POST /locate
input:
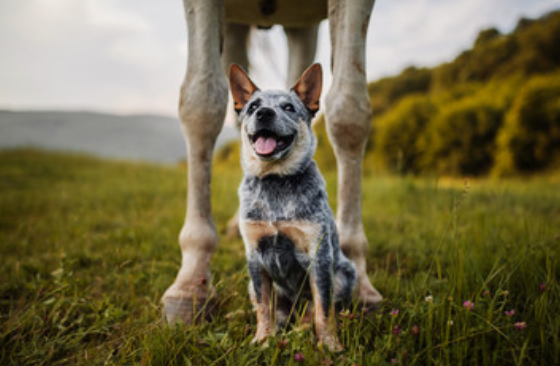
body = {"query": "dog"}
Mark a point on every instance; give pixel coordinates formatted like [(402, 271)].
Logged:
[(288, 228)]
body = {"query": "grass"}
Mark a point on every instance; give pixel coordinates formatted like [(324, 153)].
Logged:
[(89, 246)]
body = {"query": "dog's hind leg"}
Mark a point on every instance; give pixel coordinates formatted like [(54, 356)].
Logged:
[(202, 109), (344, 284), (348, 115)]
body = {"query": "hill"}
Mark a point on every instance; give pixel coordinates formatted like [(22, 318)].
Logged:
[(137, 137)]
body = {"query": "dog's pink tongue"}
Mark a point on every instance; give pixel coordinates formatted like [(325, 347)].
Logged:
[(265, 145)]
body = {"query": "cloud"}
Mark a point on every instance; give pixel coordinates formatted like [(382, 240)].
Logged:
[(130, 56), (429, 32), (90, 54)]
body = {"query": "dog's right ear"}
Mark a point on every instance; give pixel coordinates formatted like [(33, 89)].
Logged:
[(242, 88)]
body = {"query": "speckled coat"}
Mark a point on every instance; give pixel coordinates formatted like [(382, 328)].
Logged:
[(289, 230)]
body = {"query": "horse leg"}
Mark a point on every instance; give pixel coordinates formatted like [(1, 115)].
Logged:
[(235, 46), (302, 47), (235, 52), (202, 109), (348, 115)]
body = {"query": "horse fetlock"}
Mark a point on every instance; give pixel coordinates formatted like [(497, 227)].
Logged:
[(354, 244), (198, 237), (367, 295)]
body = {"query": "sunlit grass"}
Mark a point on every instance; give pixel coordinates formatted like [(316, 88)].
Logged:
[(89, 246)]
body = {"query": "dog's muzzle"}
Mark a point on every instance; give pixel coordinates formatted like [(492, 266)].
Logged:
[(268, 144)]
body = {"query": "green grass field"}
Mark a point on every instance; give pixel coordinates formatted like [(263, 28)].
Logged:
[(88, 247)]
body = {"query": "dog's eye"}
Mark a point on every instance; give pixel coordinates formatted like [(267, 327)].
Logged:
[(252, 108), (288, 107)]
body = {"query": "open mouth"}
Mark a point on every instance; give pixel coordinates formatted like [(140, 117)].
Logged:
[(267, 143)]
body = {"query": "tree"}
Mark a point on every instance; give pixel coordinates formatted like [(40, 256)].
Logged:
[(461, 139), (530, 138), (398, 131)]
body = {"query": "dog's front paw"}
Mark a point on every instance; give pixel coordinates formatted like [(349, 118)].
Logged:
[(331, 342)]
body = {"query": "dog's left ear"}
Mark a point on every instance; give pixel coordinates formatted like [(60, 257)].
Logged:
[(309, 86), (242, 88)]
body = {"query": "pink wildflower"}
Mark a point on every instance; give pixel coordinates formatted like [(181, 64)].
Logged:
[(283, 343), (397, 330), (299, 357), (519, 326), (394, 313), (469, 305), (510, 313)]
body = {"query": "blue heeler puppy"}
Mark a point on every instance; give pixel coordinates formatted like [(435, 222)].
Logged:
[(289, 230)]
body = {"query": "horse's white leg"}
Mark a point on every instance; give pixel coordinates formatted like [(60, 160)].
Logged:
[(202, 109), (236, 38), (302, 47), (235, 52), (348, 114)]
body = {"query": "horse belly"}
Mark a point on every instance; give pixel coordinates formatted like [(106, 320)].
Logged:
[(290, 13)]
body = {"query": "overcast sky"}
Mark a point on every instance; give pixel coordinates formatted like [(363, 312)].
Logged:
[(129, 56)]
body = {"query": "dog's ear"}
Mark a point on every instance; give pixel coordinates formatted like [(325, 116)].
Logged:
[(241, 87), (309, 86)]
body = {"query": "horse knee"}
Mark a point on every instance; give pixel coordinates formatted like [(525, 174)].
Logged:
[(202, 106), (348, 122)]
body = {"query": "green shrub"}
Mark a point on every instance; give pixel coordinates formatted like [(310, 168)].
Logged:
[(325, 154), (460, 140), (383, 93), (530, 138), (397, 133)]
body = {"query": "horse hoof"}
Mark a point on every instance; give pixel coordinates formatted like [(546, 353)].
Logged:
[(187, 309)]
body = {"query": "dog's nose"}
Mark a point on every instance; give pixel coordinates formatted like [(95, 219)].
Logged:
[(265, 114)]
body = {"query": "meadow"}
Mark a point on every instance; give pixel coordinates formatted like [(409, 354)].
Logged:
[(469, 268)]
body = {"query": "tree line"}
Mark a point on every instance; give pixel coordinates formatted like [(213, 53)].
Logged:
[(495, 109)]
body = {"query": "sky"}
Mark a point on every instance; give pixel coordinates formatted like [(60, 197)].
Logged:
[(129, 57)]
